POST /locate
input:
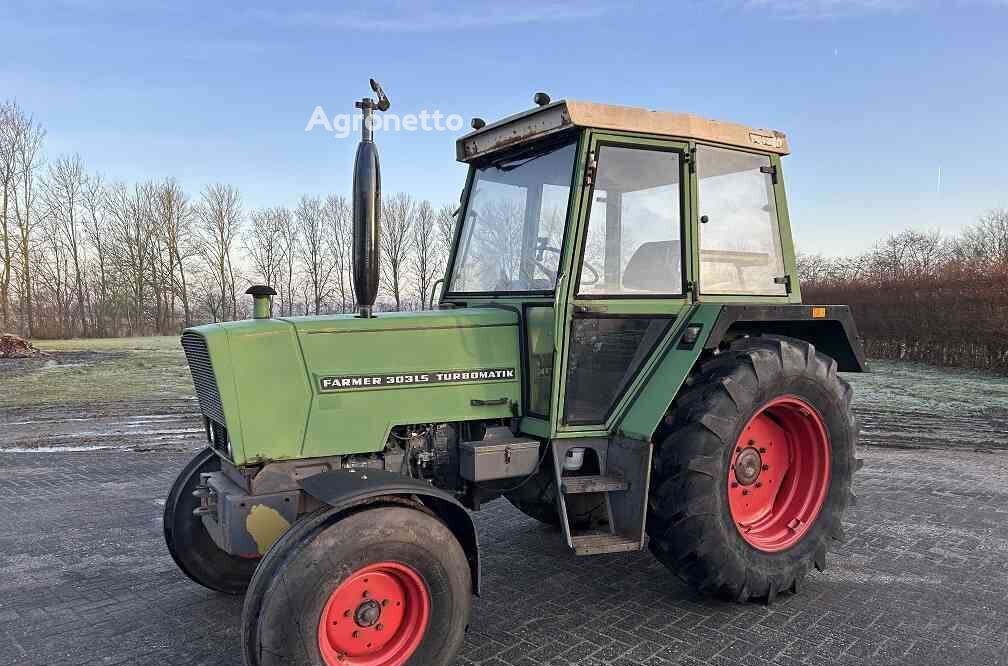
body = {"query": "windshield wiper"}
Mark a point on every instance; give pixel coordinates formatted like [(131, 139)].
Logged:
[(513, 161), (514, 164)]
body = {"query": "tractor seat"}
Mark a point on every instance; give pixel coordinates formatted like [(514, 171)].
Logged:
[(655, 267)]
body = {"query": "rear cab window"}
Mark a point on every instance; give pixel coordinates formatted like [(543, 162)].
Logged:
[(740, 243)]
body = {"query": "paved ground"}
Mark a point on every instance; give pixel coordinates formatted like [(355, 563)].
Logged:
[(922, 579)]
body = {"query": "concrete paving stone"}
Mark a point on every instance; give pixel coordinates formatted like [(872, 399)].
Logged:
[(922, 579)]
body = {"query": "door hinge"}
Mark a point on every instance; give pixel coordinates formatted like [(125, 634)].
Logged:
[(689, 157), (786, 281), (772, 170), (590, 169)]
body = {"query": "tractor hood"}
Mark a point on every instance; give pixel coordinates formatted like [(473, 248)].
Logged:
[(302, 387)]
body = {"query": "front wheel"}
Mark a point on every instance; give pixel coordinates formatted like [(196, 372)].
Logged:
[(388, 586), (753, 475), (190, 545)]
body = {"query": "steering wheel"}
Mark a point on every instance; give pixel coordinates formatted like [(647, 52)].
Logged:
[(543, 247)]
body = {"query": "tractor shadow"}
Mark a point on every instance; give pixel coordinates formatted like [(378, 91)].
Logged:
[(541, 601)]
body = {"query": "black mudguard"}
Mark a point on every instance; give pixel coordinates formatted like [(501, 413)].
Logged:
[(346, 488), (833, 332)]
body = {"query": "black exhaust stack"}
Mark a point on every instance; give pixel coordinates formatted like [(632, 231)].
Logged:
[(367, 207)]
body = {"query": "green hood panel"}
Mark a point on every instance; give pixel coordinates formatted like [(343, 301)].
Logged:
[(329, 385), (393, 321)]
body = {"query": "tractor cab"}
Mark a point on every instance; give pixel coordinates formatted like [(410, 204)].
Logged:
[(604, 225)]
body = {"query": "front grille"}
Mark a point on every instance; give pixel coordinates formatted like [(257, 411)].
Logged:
[(203, 376)]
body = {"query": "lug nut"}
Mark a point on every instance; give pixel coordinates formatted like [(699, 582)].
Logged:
[(379, 626), (765, 467), (745, 492), (734, 484), (384, 602), (758, 484), (762, 449)]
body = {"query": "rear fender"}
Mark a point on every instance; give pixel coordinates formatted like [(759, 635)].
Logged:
[(345, 489), (830, 328)]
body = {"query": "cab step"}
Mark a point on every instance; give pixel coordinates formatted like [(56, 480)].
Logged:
[(576, 485), (617, 485), (598, 544)]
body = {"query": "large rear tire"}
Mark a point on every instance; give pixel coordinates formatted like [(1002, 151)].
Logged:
[(752, 474), (386, 586), (190, 545)]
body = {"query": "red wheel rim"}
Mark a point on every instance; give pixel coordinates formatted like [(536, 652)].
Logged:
[(780, 474), (376, 617)]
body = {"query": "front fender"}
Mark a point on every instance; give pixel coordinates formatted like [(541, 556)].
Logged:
[(344, 489)]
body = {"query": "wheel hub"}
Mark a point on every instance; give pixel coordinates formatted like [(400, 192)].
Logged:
[(367, 613), (748, 464)]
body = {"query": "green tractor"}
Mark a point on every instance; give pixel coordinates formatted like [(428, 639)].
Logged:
[(619, 349)]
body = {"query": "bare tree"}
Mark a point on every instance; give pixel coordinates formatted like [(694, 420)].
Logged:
[(446, 227), (63, 196), (337, 215), (986, 242), (50, 275), (314, 249), (288, 238), (96, 232), (397, 220), (219, 216), (27, 161), (132, 228), (8, 149), (174, 217), (264, 244), (427, 260)]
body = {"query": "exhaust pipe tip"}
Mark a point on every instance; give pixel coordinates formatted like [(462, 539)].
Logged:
[(262, 300)]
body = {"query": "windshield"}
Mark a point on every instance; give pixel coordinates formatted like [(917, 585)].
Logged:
[(514, 223)]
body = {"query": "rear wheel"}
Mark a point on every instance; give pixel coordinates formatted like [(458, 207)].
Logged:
[(387, 586), (753, 471), (190, 545)]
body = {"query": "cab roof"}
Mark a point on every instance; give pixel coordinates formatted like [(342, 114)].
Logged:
[(564, 114)]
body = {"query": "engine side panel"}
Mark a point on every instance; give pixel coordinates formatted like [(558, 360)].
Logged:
[(369, 375)]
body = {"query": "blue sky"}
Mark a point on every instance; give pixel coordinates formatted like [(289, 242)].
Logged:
[(875, 96)]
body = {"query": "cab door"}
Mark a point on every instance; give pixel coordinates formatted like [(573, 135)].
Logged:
[(630, 275)]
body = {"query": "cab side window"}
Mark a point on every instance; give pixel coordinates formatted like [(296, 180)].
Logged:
[(633, 245), (740, 245)]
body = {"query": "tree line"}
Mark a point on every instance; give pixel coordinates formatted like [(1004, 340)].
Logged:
[(81, 256), (924, 296)]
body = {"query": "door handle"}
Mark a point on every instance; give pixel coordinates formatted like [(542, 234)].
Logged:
[(590, 309), (489, 403)]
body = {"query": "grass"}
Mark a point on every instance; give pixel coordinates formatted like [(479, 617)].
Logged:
[(165, 343), (90, 371)]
